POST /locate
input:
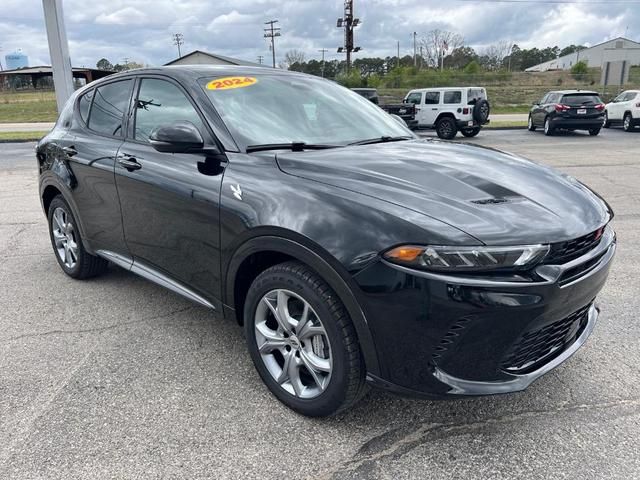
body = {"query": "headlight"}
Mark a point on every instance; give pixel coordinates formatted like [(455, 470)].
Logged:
[(460, 259)]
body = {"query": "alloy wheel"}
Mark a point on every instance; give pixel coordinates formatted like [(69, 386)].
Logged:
[(293, 343), (627, 123), (64, 236)]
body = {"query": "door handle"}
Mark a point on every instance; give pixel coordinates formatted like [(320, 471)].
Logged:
[(434, 109), (129, 163), (70, 151)]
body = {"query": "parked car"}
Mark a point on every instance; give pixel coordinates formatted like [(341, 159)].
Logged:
[(624, 110), (406, 111), (353, 252), (568, 110), (449, 110)]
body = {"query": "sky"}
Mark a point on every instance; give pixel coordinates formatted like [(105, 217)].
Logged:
[(141, 30)]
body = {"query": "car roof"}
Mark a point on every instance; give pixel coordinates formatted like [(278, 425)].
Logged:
[(443, 88), (569, 92)]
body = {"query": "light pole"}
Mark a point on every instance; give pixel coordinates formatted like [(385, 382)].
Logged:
[(59, 51)]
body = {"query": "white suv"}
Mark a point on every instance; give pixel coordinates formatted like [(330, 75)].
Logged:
[(451, 109), (624, 110)]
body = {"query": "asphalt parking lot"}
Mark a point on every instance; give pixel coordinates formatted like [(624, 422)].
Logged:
[(118, 378)]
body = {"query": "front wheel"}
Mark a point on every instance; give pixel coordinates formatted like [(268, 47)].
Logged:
[(606, 123), (530, 125), (627, 123), (67, 244), (302, 341), (470, 132), (446, 128)]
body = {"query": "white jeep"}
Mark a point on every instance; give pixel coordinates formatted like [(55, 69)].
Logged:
[(451, 109)]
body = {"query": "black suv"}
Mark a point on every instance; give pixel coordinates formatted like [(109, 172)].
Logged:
[(568, 110), (352, 252)]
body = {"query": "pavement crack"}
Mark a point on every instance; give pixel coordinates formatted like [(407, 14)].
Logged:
[(403, 445), (93, 330)]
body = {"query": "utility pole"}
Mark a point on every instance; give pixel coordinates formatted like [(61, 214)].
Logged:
[(323, 51), (398, 57), (260, 59), (348, 22), (58, 50), (415, 52), (271, 32), (178, 39), (126, 62)]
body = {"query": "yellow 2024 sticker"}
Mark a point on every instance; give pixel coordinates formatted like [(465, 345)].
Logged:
[(228, 83)]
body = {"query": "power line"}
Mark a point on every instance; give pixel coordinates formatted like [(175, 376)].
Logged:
[(271, 32), (178, 39)]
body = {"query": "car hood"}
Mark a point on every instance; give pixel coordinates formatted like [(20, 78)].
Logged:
[(496, 197)]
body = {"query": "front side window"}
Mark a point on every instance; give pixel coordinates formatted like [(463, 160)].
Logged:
[(415, 98), (274, 108), (453, 97), (162, 103), (110, 103), (432, 98)]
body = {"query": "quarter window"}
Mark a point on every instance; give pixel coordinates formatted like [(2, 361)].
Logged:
[(162, 103), (432, 98), (84, 105), (453, 97), (110, 102), (415, 98)]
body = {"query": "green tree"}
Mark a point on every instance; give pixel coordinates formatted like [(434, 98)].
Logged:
[(104, 64), (579, 70)]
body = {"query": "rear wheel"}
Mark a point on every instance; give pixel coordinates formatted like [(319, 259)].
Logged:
[(302, 341), (446, 128), (531, 126), (67, 243), (606, 123), (627, 123), (594, 131), (548, 129), (470, 132)]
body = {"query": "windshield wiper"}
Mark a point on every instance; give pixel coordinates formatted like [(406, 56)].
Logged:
[(382, 139), (293, 146)]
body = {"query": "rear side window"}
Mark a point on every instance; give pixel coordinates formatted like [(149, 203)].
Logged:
[(578, 100), (161, 103), (84, 105), (432, 98), (415, 98), (453, 97), (109, 106)]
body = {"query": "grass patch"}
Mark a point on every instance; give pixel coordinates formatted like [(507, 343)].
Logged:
[(506, 125), (21, 136), (510, 109), (27, 107)]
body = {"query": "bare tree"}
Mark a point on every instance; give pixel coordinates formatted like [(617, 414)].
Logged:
[(291, 57), (436, 44), (492, 57)]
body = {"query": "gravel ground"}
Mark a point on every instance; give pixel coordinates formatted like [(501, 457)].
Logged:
[(118, 378)]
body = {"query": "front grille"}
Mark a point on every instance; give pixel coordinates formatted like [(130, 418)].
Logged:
[(563, 252), (539, 346)]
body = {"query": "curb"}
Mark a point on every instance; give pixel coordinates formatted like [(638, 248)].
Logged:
[(19, 140)]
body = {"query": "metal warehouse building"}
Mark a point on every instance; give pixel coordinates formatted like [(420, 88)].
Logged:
[(617, 50)]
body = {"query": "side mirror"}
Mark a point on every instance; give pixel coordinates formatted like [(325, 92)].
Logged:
[(178, 137)]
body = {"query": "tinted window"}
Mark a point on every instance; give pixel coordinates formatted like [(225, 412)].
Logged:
[(415, 98), (474, 95), (109, 105), (453, 97), (432, 98), (84, 104), (162, 103), (580, 99), (552, 98)]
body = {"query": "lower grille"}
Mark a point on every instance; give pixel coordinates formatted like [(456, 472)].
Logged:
[(539, 346)]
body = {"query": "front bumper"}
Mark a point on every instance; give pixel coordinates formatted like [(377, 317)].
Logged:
[(439, 335)]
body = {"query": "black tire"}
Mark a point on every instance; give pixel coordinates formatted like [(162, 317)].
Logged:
[(446, 128), (627, 123), (594, 131), (86, 265), (548, 129), (346, 384), (470, 132), (530, 125), (481, 111), (606, 123)]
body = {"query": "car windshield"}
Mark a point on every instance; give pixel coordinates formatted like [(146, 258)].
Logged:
[(275, 109), (577, 100)]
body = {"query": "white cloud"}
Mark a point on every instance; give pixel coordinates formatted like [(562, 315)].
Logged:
[(125, 16)]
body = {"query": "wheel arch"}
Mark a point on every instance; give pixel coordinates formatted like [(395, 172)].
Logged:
[(262, 251), (443, 115)]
